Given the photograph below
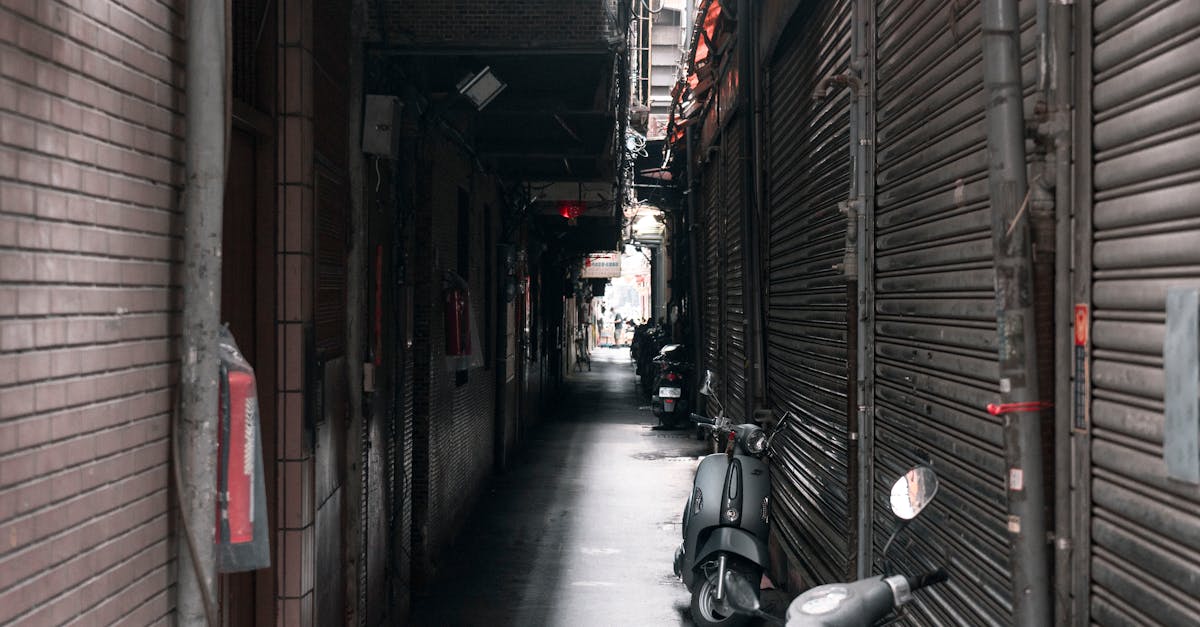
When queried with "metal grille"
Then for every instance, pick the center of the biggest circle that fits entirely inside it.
(1145, 528)
(734, 389)
(248, 22)
(809, 147)
(936, 359)
(329, 262)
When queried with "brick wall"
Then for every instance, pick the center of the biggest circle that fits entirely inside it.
(482, 22)
(90, 142)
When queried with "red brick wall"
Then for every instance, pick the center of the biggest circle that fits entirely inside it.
(482, 22)
(90, 138)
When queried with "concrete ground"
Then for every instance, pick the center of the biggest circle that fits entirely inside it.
(583, 529)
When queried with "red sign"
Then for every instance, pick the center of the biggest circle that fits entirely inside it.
(1081, 325)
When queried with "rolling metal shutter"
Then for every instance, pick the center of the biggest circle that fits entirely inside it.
(732, 189)
(710, 350)
(1145, 528)
(935, 319)
(806, 325)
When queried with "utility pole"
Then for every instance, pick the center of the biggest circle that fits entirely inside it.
(195, 433)
(1020, 401)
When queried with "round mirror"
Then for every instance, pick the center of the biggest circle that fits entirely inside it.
(708, 388)
(912, 492)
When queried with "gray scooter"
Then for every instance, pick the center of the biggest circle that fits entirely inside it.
(726, 519)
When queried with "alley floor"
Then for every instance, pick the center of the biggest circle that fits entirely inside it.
(582, 530)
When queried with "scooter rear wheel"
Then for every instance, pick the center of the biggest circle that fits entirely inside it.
(707, 611)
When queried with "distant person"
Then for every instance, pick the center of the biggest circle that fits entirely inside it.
(619, 331)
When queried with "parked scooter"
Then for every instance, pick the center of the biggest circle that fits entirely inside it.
(652, 340)
(725, 521)
(672, 385)
(866, 601)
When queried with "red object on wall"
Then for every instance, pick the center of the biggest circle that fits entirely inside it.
(458, 322)
(571, 209)
(237, 454)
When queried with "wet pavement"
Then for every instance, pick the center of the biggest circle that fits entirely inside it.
(583, 529)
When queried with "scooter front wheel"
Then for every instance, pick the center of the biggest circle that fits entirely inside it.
(707, 611)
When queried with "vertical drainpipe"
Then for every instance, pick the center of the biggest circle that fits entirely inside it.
(1017, 350)
(1081, 290)
(195, 433)
(1061, 97)
(862, 127)
(752, 195)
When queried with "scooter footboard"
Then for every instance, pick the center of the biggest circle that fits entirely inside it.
(736, 541)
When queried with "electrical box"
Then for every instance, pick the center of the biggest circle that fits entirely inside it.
(381, 126)
(1181, 393)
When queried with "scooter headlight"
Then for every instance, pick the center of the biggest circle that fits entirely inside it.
(756, 442)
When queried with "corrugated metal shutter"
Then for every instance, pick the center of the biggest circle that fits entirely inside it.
(734, 390)
(936, 360)
(711, 262)
(806, 351)
(1145, 528)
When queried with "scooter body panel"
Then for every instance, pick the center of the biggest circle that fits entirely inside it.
(736, 541)
(706, 531)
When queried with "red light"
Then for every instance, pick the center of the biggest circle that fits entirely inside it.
(570, 209)
(671, 376)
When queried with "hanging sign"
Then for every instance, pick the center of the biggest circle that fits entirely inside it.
(601, 266)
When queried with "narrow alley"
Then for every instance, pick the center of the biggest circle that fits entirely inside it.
(582, 529)
(297, 299)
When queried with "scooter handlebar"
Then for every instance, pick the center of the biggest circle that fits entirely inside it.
(698, 419)
(928, 579)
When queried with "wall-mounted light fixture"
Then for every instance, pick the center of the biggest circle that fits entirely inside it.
(481, 88)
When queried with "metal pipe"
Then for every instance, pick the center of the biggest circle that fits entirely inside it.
(203, 200)
(1080, 452)
(1060, 100)
(863, 128)
(1017, 350)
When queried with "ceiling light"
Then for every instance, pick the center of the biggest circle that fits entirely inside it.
(481, 88)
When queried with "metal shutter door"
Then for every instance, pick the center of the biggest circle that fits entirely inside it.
(806, 353)
(1145, 528)
(711, 256)
(936, 359)
(734, 389)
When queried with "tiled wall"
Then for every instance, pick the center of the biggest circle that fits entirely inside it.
(90, 150)
(475, 22)
(296, 542)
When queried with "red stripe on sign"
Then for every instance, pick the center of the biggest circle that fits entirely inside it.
(1081, 325)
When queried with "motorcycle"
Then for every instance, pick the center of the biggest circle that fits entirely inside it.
(670, 390)
(648, 340)
(726, 518)
(866, 601)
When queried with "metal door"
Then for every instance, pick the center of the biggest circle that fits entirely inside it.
(1145, 528)
(806, 326)
(710, 350)
(935, 322)
(732, 190)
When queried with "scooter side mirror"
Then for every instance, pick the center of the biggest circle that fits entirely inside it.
(741, 594)
(708, 388)
(742, 597)
(913, 492)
